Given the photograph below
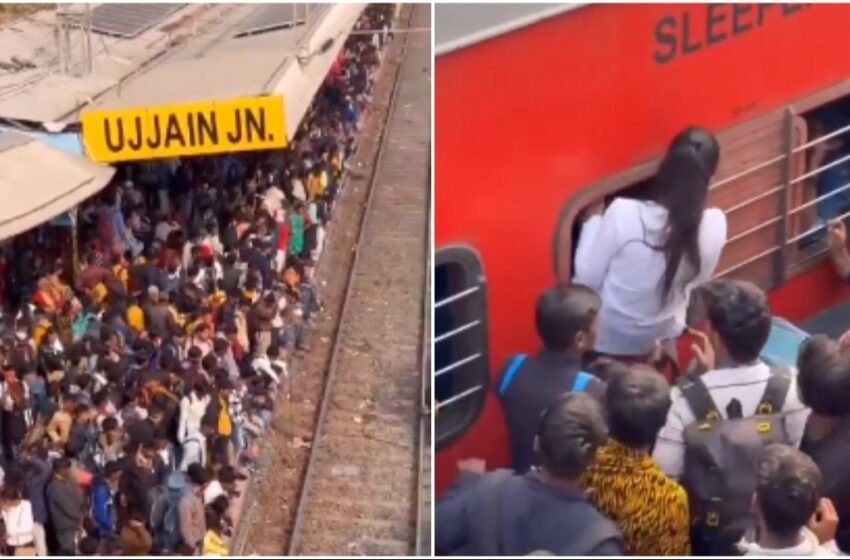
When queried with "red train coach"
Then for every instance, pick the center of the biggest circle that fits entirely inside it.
(541, 110)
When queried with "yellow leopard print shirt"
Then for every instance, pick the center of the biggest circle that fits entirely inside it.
(649, 508)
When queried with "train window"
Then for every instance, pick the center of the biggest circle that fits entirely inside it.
(638, 190)
(461, 366)
(822, 191)
(750, 186)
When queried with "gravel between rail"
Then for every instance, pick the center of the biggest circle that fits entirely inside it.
(369, 415)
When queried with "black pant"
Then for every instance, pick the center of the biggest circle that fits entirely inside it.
(66, 543)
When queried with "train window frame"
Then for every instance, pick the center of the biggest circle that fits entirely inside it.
(448, 428)
(572, 209)
(803, 107)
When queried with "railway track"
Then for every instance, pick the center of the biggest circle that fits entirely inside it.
(366, 489)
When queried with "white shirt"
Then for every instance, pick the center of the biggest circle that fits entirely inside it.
(615, 256)
(163, 230)
(808, 546)
(19, 524)
(273, 198)
(212, 491)
(192, 410)
(263, 364)
(194, 451)
(298, 190)
(747, 384)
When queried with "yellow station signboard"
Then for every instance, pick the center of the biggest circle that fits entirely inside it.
(185, 129)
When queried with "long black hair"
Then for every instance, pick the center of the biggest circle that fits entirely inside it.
(681, 186)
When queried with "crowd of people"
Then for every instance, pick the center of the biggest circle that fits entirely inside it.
(136, 385)
(616, 449)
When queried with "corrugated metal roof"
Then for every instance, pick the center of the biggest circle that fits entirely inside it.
(461, 25)
(47, 94)
(249, 65)
(38, 182)
(273, 16)
(231, 68)
(130, 20)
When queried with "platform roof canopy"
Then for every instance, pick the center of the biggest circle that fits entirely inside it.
(173, 53)
(39, 182)
(255, 50)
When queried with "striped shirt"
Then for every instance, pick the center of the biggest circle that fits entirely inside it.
(235, 405)
(745, 383)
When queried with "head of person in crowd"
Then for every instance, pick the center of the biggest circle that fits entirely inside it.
(84, 414)
(637, 401)
(62, 469)
(11, 494)
(823, 367)
(198, 477)
(567, 318)
(203, 333)
(229, 477)
(681, 186)
(112, 472)
(739, 321)
(570, 433)
(88, 546)
(605, 367)
(788, 498)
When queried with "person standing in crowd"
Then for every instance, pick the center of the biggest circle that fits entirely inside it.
(739, 324)
(625, 484)
(645, 256)
(18, 521)
(104, 501)
(724, 417)
(566, 318)
(192, 520)
(824, 378)
(37, 474)
(66, 504)
(793, 518)
(507, 514)
(59, 428)
(214, 543)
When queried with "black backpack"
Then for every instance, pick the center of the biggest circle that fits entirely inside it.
(721, 457)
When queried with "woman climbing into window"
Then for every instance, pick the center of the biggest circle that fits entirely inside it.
(645, 256)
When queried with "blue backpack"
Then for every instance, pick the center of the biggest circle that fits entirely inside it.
(579, 385)
(164, 501)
